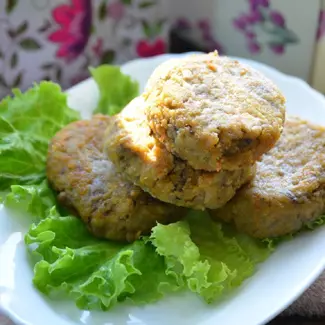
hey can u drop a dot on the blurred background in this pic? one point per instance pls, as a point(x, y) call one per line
point(59, 40)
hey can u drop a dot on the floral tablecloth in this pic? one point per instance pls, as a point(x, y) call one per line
point(59, 40)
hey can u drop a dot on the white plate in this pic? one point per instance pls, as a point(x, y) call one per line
point(277, 283)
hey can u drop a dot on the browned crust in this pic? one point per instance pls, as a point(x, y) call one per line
point(214, 112)
point(146, 162)
point(288, 190)
point(88, 183)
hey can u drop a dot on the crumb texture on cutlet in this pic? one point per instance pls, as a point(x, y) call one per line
point(214, 112)
point(288, 190)
point(88, 184)
point(146, 162)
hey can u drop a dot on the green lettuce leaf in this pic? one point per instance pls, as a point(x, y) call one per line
point(210, 257)
point(116, 89)
point(36, 200)
point(196, 254)
point(27, 122)
point(96, 274)
point(69, 260)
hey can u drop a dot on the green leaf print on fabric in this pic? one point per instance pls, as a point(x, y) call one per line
point(10, 5)
point(29, 44)
point(265, 27)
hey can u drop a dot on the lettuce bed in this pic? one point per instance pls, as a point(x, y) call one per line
point(196, 254)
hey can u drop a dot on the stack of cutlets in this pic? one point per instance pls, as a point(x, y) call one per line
point(193, 137)
point(205, 134)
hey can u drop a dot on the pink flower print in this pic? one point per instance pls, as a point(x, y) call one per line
point(204, 25)
point(116, 10)
point(182, 24)
point(250, 35)
point(255, 4)
point(254, 47)
point(146, 48)
point(277, 48)
point(272, 23)
point(254, 17)
point(98, 47)
point(75, 21)
point(277, 18)
point(240, 22)
point(245, 21)
point(321, 25)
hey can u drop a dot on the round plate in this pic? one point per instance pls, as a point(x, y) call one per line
point(277, 283)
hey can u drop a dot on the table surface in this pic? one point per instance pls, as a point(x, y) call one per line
point(293, 320)
point(297, 320)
